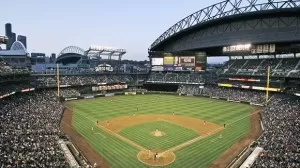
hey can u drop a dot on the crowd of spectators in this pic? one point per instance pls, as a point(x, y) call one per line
point(257, 97)
point(176, 78)
point(281, 138)
point(69, 92)
point(44, 81)
point(29, 131)
point(278, 67)
point(5, 69)
point(9, 88)
point(189, 89)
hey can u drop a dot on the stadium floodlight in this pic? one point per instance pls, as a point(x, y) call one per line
point(239, 47)
point(96, 47)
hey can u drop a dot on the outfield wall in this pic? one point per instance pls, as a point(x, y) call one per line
point(154, 92)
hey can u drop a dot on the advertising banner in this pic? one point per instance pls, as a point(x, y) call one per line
point(224, 85)
point(88, 97)
point(157, 68)
point(168, 60)
point(169, 68)
point(130, 93)
point(109, 94)
point(28, 90)
point(68, 99)
point(157, 61)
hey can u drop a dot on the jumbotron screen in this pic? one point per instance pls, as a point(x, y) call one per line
point(183, 61)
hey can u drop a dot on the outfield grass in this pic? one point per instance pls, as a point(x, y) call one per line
point(174, 135)
point(199, 154)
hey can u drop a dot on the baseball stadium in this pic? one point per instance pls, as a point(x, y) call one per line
point(92, 108)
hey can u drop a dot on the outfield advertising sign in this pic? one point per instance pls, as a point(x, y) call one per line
point(89, 97)
point(169, 68)
point(109, 94)
point(130, 93)
point(168, 60)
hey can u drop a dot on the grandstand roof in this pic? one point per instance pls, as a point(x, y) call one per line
point(224, 9)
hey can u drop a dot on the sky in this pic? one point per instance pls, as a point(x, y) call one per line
point(133, 25)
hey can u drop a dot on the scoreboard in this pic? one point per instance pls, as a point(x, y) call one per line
point(184, 61)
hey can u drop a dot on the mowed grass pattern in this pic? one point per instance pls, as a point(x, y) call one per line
point(174, 135)
point(200, 154)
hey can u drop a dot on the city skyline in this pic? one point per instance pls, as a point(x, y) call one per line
point(132, 25)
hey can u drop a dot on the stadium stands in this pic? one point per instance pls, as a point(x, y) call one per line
point(176, 78)
point(189, 89)
point(69, 92)
point(279, 67)
point(5, 69)
point(88, 80)
point(281, 138)
point(257, 97)
point(30, 131)
point(236, 66)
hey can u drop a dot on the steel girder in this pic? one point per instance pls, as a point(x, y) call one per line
point(223, 9)
point(260, 30)
point(72, 49)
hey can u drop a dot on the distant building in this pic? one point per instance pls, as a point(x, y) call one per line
point(23, 40)
point(53, 58)
point(16, 57)
point(37, 58)
point(8, 33)
point(13, 37)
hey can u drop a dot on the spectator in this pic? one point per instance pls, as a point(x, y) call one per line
point(29, 131)
point(281, 138)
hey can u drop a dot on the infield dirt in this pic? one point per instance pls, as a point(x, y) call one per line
point(163, 158)
point(201, 127)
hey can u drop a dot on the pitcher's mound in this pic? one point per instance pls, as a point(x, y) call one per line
point(157, 133)
point(156, 157)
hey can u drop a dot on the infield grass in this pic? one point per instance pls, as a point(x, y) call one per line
point(174, 135)
point(120, 154)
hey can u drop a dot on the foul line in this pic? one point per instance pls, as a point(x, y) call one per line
point(112, 133)
point(122, 138)
point(173, 149)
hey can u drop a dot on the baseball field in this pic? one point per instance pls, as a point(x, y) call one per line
point(159, 130)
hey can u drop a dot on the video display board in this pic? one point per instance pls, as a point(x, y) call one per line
point(187, 61)
point(157, 61)
point(179, 61)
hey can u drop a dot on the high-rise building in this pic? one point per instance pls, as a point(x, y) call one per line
point(8, 33)
point(23, 40)
point(13, 37)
